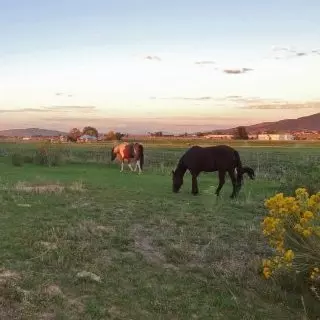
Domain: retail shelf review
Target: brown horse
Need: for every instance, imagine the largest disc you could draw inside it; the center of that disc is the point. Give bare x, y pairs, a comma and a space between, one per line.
127, 151
221, 158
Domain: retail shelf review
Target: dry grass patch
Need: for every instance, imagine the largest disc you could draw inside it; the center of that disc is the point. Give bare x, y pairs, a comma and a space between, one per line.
8, 275
45, 187
48, 245
38, 188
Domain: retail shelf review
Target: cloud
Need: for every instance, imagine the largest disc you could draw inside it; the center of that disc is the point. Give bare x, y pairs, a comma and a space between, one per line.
205, 62
67, 108
281, 53
82, 109
284, 106
64, 94
153, 58
237, 71
22, 110
185, 98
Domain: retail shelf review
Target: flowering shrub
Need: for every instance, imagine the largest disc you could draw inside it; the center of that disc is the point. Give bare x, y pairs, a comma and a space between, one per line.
292, 227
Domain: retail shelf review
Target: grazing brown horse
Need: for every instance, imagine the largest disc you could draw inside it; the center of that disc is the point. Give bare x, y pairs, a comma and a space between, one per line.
221, 158
128, 151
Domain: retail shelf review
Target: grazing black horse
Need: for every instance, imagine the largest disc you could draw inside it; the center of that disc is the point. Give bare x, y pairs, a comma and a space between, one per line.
221, 158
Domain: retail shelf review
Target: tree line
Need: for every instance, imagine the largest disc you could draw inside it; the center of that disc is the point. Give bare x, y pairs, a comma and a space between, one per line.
75, 133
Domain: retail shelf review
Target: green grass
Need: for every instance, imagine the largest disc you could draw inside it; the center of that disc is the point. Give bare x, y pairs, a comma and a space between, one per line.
159, 255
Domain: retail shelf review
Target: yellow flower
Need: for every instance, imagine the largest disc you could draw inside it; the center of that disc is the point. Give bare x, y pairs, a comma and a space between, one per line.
308, 215
289, 255
301, 192
266, 272
307, 232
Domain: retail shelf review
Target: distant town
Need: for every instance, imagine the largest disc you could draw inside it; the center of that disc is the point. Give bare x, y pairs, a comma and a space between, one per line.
100, 137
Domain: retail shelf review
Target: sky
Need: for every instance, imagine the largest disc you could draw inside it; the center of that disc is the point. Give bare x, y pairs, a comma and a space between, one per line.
143, 65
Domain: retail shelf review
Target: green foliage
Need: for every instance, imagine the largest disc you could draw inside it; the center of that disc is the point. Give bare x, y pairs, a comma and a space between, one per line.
91, 131
304, 176
111, 135
74, 134
48, 155
17, 159
28, 159
240, 133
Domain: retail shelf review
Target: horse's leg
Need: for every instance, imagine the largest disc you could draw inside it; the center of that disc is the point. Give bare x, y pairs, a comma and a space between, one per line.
195, 189
222, 179
236, 188
129, 165
138, 165
121, 165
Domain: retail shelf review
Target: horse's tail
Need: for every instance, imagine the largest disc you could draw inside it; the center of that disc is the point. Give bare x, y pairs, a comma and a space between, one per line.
239, 167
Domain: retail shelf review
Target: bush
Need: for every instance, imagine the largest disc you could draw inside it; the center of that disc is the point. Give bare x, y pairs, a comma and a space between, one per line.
28, 159
17, 159
292, 227
48, 155
303, 177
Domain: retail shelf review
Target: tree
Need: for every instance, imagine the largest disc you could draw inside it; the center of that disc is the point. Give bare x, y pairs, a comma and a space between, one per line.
73, 135
91, 131
240, 133
111, 135
119, 136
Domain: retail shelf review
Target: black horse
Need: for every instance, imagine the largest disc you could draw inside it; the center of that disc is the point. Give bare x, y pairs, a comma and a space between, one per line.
221, 158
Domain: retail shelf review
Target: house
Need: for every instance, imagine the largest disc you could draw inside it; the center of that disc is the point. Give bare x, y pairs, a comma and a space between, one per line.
275, 136
87, 138
218, 136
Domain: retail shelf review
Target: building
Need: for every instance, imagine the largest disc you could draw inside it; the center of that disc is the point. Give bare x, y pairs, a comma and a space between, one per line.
219, 136
87, 138
275, 136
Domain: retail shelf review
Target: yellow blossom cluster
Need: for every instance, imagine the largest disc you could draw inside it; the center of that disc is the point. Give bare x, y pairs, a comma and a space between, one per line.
315, 274
300, 215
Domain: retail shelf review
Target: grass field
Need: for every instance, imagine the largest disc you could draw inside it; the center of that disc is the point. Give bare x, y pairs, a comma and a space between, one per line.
149, 253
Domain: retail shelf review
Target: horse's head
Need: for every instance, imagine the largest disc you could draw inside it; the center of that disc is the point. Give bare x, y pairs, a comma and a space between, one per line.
177, 181
113, 154
250, 172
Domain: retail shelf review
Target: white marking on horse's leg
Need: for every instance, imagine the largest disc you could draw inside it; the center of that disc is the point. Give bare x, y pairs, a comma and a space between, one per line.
121, 166
139, 166
136, 166
130, 166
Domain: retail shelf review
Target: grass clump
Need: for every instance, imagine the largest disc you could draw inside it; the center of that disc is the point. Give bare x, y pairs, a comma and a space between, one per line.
17, 159
307, 177
48, 155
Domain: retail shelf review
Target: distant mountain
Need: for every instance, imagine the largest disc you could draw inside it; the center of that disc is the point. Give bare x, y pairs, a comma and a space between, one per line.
311, 122
30, 132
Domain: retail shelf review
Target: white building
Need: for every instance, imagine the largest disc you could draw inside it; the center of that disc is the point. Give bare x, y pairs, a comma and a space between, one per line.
218, 136
275, 136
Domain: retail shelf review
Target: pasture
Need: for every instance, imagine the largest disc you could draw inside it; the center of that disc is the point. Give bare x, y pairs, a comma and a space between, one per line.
83, 241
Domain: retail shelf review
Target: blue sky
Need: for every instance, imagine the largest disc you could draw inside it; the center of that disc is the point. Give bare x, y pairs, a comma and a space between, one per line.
174, 65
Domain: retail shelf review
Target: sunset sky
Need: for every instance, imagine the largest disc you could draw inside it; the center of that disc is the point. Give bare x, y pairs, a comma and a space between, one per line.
144, 65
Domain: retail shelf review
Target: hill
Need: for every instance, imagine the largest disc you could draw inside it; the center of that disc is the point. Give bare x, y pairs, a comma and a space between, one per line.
30, 132
311, 122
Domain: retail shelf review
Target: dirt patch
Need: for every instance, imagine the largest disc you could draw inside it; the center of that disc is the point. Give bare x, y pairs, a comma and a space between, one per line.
89, 226
88, 275
47, 316
53, 291
38, 188
77, 186
144, 246
48, 245
45, 187
8, 275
